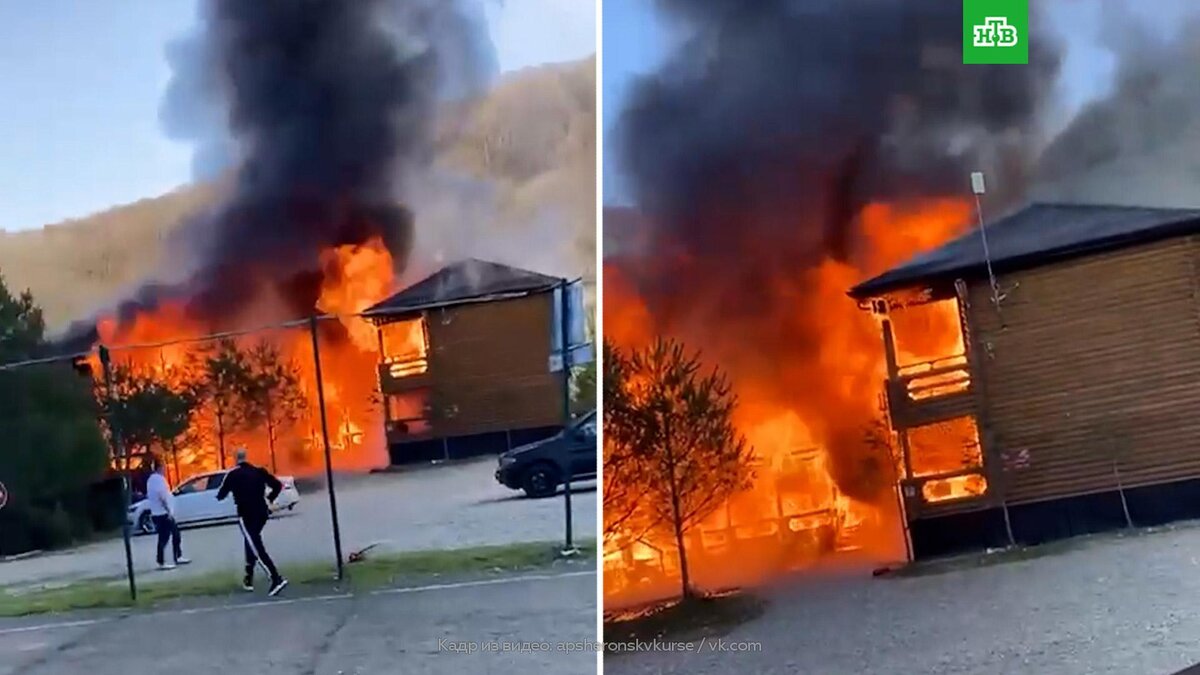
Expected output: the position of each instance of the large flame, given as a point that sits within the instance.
(837, 383)
(353, 277)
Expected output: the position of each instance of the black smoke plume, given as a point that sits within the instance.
(753, 150)
(326, 105)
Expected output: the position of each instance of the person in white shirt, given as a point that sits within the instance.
(162, 512)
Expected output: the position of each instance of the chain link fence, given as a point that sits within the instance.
(303, 398)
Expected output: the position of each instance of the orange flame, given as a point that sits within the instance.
(354, 278)
(841, 379)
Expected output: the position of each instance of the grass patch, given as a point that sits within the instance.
(378, 571)
(686, 620)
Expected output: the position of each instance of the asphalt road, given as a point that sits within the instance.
(1128, 605)
(450, 506)
(519, 624)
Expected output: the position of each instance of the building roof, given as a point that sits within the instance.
(470, 280)
(1033, 236)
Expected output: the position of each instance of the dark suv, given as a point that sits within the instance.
(538, 468)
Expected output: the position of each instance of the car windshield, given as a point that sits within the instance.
(585, 424)
(187, 486)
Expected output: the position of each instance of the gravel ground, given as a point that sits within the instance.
(1121, 604)
(450, 506)
(434, 630)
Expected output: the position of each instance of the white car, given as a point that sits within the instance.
(196, 502)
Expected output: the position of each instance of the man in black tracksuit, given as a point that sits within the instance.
(249, 484)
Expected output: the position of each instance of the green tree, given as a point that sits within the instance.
(583, 385)
(154, 415)
(276, 393)
(53, 450)
(679, 426)
(625, 482)
(583, 382)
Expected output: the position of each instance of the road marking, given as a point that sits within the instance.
(252, 605)
(294, 601)
(51, 626)
(482, 582)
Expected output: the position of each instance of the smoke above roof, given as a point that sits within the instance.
(319, 113)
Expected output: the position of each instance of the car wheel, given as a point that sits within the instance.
(541, 480)
(146, 523)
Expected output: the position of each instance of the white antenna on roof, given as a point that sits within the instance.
(978, 187)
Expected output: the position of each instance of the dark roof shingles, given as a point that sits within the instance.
(466, 281)
(1036, 234)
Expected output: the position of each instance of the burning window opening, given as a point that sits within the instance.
(405, 347)
(931, 358)
(408, 413)
(944, 448)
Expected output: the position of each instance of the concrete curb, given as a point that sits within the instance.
(21, 556)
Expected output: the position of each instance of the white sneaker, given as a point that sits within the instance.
(166, 566)
(183, 561)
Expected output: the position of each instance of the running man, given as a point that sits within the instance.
(249, 484)
(162, 513)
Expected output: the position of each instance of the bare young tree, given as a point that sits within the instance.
(681, 430)
(275, 392)
(226, 381)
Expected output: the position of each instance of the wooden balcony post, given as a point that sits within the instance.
(894, 393)
(889, 350)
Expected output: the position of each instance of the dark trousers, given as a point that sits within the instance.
(167, 529)
(256, 553)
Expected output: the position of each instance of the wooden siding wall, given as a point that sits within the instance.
(1090, 362)
(489, 364)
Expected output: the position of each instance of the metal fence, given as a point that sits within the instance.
(302, 397)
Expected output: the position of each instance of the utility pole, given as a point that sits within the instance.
(120, 455)
(333, 514)
(565, 344)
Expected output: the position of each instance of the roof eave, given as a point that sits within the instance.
(881, 284)
(381, 311)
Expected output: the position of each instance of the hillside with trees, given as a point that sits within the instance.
(532, 138)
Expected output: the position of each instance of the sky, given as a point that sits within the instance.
(81, 81)
(636, 39)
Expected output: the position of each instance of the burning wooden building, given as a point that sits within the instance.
(465, 357)
(1070, 405)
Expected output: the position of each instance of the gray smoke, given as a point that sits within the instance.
(1139, 145)
(327, 108)
(769, 129)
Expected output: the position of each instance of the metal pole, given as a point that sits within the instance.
(337, 532)
(978, 187)
(118, 450)
(565, 325)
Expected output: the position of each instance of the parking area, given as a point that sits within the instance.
(1117, 604)
(450, 506)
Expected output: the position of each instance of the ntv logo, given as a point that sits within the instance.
(995, 31)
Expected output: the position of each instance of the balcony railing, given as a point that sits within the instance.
(940, 377)
(398, 369)
(953, 487)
